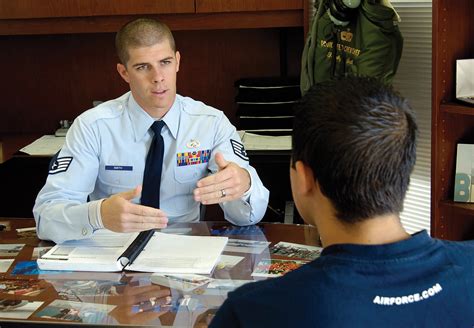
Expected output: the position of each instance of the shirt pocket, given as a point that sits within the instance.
(189, 173)
(114, 181)
(186, 178)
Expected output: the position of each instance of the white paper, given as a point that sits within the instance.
(98, 253)
(22, 310)
(228, 261)
(103, 238)
(46, 145)
(254, 141)
(465, 80)
(168, 253)
(10, 250)
(5, 265)
(164, 253)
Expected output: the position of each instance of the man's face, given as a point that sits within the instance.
(151, 73)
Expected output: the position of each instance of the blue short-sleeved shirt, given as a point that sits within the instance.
(418, 282)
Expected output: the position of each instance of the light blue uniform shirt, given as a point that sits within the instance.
(104, 154)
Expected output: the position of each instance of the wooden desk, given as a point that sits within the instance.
(125, 290)
(11, 143)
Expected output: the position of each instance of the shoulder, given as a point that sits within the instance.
(463, 251)
(198, 108)
(259, 302)
(105, 111)
(294, 281)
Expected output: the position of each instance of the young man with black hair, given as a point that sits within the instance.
(354, 148)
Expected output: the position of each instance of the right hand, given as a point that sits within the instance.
(119, 214)
(141, 304)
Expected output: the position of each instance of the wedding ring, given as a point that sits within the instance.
(223, 194)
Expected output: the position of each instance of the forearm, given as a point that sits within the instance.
(61, 220)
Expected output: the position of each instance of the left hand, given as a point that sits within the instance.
(229, 183)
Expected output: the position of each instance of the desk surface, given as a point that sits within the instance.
(128, 298)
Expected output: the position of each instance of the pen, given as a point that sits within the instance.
(26, 229)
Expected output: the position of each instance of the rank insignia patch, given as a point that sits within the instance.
(60, 164)
(193, 157)
(239, 149)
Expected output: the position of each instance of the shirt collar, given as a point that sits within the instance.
(419, 240)
(141, 121)
(172, 117)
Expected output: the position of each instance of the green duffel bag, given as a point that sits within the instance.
(369, 45)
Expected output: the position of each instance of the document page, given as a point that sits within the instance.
(167, 253)
(254, 141)
(46, 145)
(98, 253)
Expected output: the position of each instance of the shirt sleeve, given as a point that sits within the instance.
(251, 207)
(61, 209)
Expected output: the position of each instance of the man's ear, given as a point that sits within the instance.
(178, 58)
(122, 70)
(304, 178)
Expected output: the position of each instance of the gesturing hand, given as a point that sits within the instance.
(141, 304)
(121, 215)
(229, 183)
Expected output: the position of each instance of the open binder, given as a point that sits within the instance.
(147, 251)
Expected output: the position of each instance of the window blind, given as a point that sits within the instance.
(413, 80)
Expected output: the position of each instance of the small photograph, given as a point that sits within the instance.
(275, 268)
(183, 282)
(227, 262)
(39, 251)
(228, 230)
(296, 250)
(246, 246)
(31, 268)
(10, 250)
(157, 305)
(464, 179)
(5, 264)
(25, 233)
(5, 226)
(92, 313)
(23, 287)
(17, 309)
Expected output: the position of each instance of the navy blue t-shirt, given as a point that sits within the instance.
(418, 282)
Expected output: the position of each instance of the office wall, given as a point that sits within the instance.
(47, 78)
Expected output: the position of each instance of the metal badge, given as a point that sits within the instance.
(193, 143)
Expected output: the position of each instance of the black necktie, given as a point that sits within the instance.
(153, 167)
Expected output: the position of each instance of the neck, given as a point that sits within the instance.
(157, 113)
(374, 231)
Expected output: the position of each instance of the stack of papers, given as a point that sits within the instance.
(47, 145)
(166, 253)
(254, 141)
